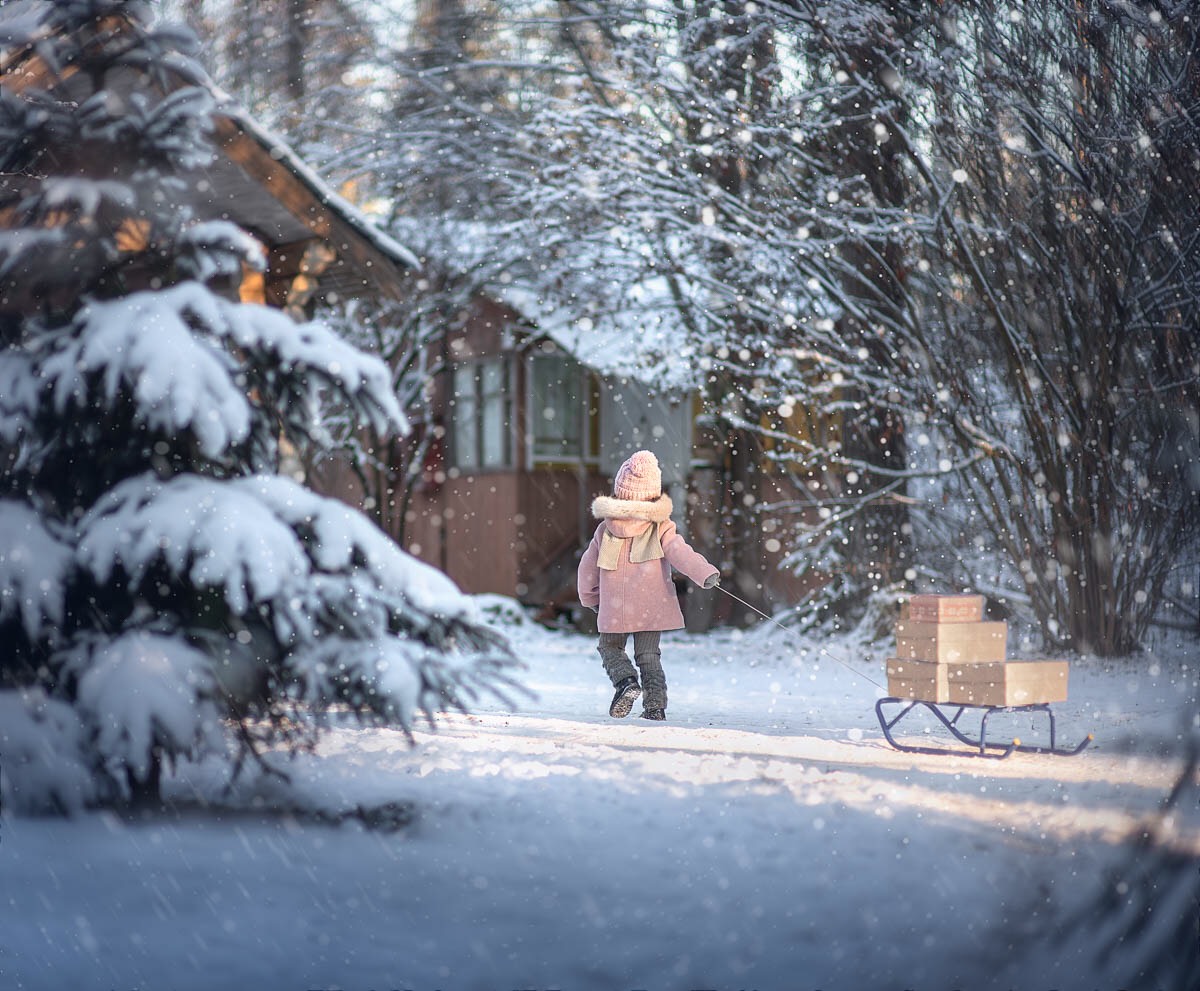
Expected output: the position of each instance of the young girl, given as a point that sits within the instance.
(626, 572)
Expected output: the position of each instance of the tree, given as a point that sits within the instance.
(1064, 187)
(299, 66)
(672, 192)
(164, 593)
(411, 339)
(964, 232)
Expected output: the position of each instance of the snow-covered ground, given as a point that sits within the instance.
(765, 837)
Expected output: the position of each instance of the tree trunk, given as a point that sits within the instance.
(296, 49)
(145, 792)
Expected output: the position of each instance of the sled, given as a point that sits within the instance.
(978, 747)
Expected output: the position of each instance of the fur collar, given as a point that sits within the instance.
(611, 508)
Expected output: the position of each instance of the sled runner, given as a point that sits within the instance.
(979, 747)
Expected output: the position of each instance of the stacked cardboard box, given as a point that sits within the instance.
(934, 632)
(1009, 683)
(947, 652)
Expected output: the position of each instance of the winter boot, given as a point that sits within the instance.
(657, 714)
(653, 678)
(628, 691)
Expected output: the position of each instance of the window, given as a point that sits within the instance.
(564, 409)
(480, 414)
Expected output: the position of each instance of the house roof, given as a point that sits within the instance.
(307, 205)
(637, 339)
(627, 330)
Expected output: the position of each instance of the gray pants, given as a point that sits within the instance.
(649, 660)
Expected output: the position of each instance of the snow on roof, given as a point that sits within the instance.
(282, 152)
(27, 13)
(639, 340)
(599, 310)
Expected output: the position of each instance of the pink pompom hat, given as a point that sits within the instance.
(638, 479)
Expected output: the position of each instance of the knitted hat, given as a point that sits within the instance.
(638, 479)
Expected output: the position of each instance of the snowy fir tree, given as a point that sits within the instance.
(165, 593)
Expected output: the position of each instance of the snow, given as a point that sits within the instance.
(21, 21)
(205, 529)
(180, 381)
(216, 248)
(635, 334)
(143, 688)
(32, 567)
(17, 246)
(41, 740)
(764, 837)
(182, 374)
(18, 392)
(259, 539)
(85, 196)
(600, 306)
(389, 665)
(344, 538)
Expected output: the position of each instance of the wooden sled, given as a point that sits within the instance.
(979, 747)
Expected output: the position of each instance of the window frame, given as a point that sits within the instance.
(479, 401)
(585, 445)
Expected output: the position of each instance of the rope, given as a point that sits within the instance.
(790, 633)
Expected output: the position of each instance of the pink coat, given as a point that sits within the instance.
(638, 596)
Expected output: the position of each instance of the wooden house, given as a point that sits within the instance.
(318, 247)
(530, 427)
(529, 436)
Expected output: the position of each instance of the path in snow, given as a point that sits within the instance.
(764, 837)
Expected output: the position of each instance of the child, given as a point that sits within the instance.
(626, 572)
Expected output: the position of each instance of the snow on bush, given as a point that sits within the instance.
(353, 670)
(42, 745)
(143, 693)
(33, 564)
(217, 249)
(179, 382)
(18, 395)
(188, 374)
(261, 540)
(343, 538)
(210, 537)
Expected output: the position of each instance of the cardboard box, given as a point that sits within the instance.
(951, 643)
(1008, 683)
(922, 680)
(943, 608)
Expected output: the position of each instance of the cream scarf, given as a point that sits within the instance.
(645, 546)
